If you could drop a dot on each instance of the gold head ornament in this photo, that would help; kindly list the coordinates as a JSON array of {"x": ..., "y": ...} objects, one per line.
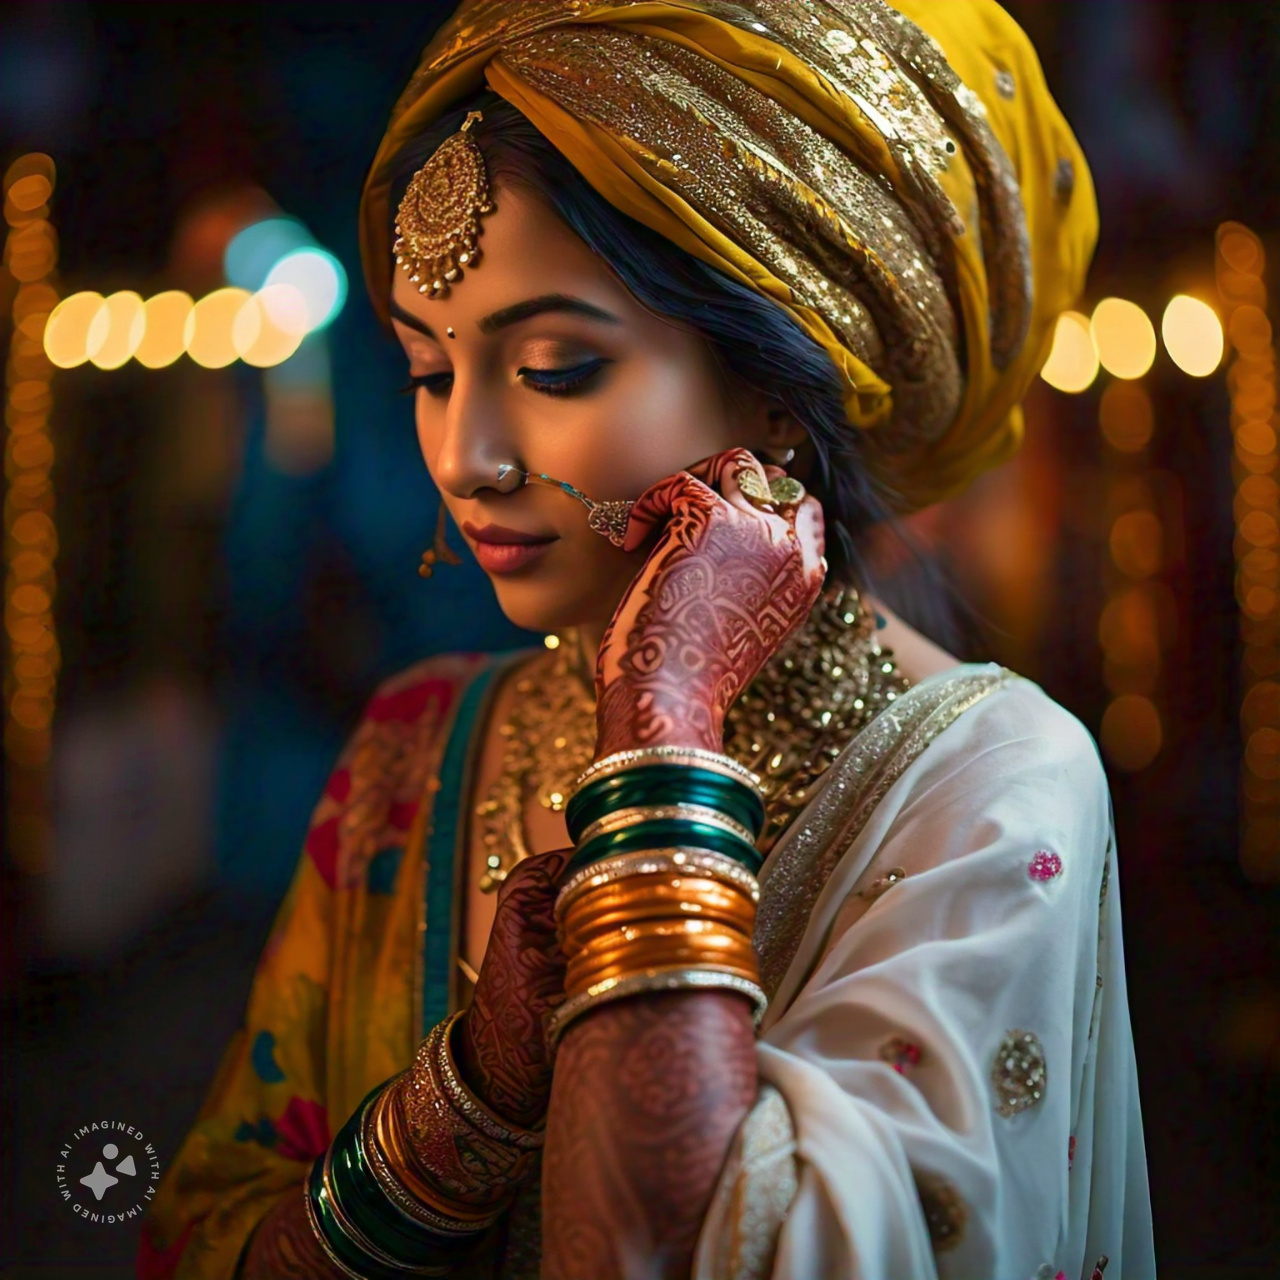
[
  {"x": 438, "y": 222},
  {"x": 895, "y": 176}
]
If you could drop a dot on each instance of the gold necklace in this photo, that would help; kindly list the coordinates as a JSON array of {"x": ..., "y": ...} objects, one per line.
[
  {"x": 549, "y": 739},
  {"x": 824, "y": 685}
]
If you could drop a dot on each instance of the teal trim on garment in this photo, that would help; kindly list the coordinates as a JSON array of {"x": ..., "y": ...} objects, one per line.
[{"x": 442, "y": 850}]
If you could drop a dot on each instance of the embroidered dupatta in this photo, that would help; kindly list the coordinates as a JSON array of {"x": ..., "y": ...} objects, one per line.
[{"x": 361, "y": 962}]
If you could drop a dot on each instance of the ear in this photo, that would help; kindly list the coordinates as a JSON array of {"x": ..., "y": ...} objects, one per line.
[{"x": 782, "y": 431}]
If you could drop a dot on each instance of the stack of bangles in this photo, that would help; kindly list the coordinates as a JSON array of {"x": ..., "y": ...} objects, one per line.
[
  {"x": 661, "y": 892},
  {"x": 418, "y": 1174}
]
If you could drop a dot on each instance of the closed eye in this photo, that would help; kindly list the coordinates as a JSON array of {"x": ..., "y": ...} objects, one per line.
[
  {"x": 434, "y": 384},
  {"x": 563, "y": 382}
]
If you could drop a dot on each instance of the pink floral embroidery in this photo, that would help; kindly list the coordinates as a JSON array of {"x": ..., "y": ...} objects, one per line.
[
  {"x": 900, "y": 1054},
  {"x": 1045, "y": 866},
  {"x": 303, "y": 1131}
]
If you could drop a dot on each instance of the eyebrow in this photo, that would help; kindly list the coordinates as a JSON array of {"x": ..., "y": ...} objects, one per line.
[
  {"x": 515, "y": 313},
  {"x": 397, "y": 312},
  {"x": 540, "y": 306}
]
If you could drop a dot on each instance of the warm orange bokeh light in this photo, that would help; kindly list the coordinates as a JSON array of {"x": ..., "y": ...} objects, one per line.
[
  {"x": 66, "y": 335},
  {"x": 1073, "y": 363},
  {"x": 1123, "y": 337},
  {"x": 1126, "y": 416},
  {"x": 116, "y": 330},
  {"x": 270, "y": 326},
  {"x": 1131, "y": 732},
  {"x": 1192, "y": 335},
  {"x": 164, "y": 338},
  {"x": 209, "y": 326}
]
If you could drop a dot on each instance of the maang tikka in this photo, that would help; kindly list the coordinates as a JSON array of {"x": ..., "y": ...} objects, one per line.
[{"x": 438, "y": 222}]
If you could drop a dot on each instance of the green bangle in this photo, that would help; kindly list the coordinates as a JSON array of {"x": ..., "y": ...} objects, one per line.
[
  {"x": 365, "y": 1206},
  {"x": 347, "y": 1254},
  {"x": 665, "y": 784},
  {"x": 645, "y": 836}
]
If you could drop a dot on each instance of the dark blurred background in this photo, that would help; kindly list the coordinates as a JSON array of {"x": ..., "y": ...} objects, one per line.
[{"x": 234, "y": 559}]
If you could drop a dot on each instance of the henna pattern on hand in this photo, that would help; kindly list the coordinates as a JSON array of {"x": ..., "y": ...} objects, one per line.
[
  {"x": 502, "y": 1047},
  {"x": 648, "y": 1095},
  {"x": 723, "y": 588},
  {"x": 284, "y": 1247}
]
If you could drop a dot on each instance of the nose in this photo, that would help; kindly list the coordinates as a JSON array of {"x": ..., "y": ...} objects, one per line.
[{"x": 475, "y": 443}]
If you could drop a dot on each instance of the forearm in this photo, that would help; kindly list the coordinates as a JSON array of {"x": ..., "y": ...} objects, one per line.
[
  {"x": 648, "y": 1094},
  {"x": 284, "y": 1247}
]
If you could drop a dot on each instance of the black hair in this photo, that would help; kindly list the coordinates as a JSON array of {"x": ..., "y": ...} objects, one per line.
[{"x": 755, "y": 342}]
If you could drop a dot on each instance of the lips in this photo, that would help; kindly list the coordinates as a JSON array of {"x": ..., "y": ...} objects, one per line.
[{"x": 502, "y": 550}]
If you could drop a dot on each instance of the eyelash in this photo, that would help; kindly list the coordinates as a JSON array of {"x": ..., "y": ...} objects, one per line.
[{"x": 556, "y": 382}]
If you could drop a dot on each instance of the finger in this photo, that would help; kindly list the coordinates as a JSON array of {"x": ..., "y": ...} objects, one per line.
[
  {"x": 680, "y": 493},
  {"x": 810, "y": 529},
  {"x": 535, "y": 877},
  {"x": 746, "y": 487},
  {"x": 713, "y": 470}
]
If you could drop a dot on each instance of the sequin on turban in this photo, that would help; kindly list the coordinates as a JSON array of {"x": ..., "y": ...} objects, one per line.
[{"x": 897, "y": 178}]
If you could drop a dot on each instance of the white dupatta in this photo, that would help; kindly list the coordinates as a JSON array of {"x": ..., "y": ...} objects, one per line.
[{"x": 948, "y": 1079}]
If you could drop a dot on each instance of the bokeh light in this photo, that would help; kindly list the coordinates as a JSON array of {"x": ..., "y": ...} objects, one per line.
[
  {"x": 1192, "y": 335},
  {"x": 1131, "y": 732},
  {"x": 270, "y": 326},
  {"x": 66, "y": 335},
  {"x": 1137, "y": 544},
  {"x": 164, "y": 338},
  {"x": 252, "y": 253},
  {"x": 116, "y": 330},
  {"x": 1126, "y": 416},
  {"x": 209, "y": 327},
  {"x": 1123, "y": 337},
  {"x": 1073, "y": 362},
  {"x": 319, "y": 277}
]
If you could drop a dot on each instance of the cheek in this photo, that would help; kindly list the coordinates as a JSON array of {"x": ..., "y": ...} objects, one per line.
[{"x": 656, "y": 418}]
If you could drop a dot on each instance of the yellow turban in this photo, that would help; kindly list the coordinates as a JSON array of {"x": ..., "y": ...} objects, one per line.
[{"x": 898, "y": 179}]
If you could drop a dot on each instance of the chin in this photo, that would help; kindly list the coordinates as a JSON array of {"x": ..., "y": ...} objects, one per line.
[{"x": 547, "y": 606}]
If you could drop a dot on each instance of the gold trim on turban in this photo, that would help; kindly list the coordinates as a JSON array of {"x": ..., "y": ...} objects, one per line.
[{"x": 898, "y": 179}]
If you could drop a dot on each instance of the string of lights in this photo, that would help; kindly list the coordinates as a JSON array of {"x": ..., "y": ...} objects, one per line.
[
  {"x": 1251, "y": 380},
  {"x": 30, "y": 534}
]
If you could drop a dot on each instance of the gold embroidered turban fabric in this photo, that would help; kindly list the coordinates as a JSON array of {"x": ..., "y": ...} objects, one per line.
[{"x": 897, "y": 178}]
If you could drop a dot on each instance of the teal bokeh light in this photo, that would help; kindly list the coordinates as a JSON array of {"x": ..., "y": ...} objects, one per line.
[
  {"x": 319, "y": 277},
  {"x": 253, "y": 251}
]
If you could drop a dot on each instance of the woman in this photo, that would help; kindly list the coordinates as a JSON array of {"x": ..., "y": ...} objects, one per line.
[{"x": 693, "y": 296}]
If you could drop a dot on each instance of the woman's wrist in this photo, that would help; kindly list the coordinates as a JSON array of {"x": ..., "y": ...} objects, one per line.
[{"x": 628, "y": 719}]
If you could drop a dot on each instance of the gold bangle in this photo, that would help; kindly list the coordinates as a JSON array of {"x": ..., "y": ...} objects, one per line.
[
  {"x": 468, "y": 1105},
  {"x": 649, "y": 982},
  {"x": 393, "y": 1168},
  {"x": 715, "y": 761},
  {"x": 670, "y": 861},
  {"x": 618, "y": 906},
  {"x": 624, "y": 819},
  {"x": 674, "y": 945}
]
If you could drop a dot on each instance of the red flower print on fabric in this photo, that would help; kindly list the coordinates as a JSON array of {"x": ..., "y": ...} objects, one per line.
[
  {"x": 1045, "y": 866},
  {"x": 302, "y": 1133}
]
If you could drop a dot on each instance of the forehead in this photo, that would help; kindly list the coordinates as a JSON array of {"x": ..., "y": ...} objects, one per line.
[{"x": 526, "y": 251}]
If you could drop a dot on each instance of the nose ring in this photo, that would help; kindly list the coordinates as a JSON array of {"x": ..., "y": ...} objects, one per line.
[{"x": 609, "y": 519}]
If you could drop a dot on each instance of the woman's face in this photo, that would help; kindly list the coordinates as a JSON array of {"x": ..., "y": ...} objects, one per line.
[{"x": 540, "y": 357}]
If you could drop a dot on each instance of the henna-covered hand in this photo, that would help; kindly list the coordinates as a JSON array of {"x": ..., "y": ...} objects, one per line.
[
  {"x": 501, "y": 1045},
  {"x": 724, "y": 586}
]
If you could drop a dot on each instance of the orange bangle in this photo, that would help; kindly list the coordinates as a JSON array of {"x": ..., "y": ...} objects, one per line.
[
  {"x": 612, "y": 913},
  {"x": 683, "y": 943},
  {"x": 387, "y": 1134}
]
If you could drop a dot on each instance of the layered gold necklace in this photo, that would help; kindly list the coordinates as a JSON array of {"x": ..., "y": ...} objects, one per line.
[{"x": 824, "y": 685}]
